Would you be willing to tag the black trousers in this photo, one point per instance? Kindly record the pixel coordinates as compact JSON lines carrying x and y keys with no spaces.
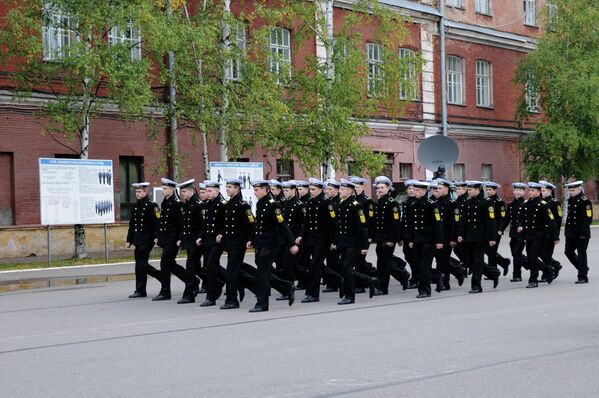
{"x":169,"y":264}
{"x":289,"y":265}
{"x":234,"y":261}
{"x":576,"y":251}
{"x":384,"y":257}
{"x":333,"y":272}
{"x":264,"y":260}
{"x":517,"y":248}
{"x":399,"y":271}
{"x":317,"y":255}
{"x":408,"y":254}
{"x":534,"y":250}
{"x":547,"y":256}
{"x":475,"y":252}
{"x":423,"y":260}
{"x":349,"y":259}
{"x":442,"y":261}
{"x":143,"y":267}
{"x":191,"y":271}
{"x":249,"y":280}
{"x":214,"y":287}
{"x":492,"y":253}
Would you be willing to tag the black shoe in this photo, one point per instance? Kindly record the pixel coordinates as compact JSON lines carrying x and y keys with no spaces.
{"x":440,"y":283}
{"x":186,"y":300}
{"x":515,"y":279}
{"x":291,"y":297}
{"x":310,"y":299}
{"x":549,"y":278}
{"x":329,"y":290}
{"x":423,"y":295}
{"x":461,"y":276}
{"x":495,"y":281}
{"x":372,"y":287}
{"x":281,"y":298}
{"x":202,"y":290}
{"x":405,"y":284}
{"x":412,"y":285}
{"x":229,"y":306}
{"x":207,"y":303}
{"x":543,"y":279}
{"x":581,"y":281}
{"x":379,"y":292}
{"x":474,"y":291}
{"x":137,"y":294}
{"x":359,"y":290}
{"x":346,"y":300}
{"x":241,"y":294}
{"x":161,"y":297}
{"x":259,"y":308}
{"x":532,"y":285}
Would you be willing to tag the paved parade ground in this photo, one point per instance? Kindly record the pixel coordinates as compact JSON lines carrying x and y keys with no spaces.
{"x":91,"y":341}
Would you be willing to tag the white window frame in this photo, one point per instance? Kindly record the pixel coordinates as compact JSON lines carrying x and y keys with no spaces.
{"x":532,"y":97}
{"x":484,"y":168}
{"x":484,"y":84}
{"x":455,"y":80}
{"x":530,"y":12}
{"x":57,"y":32}
{"x":455,"y":3}
{"x":409,"y":93}
{"x":552,"y":14}
{"x":280,"y":50}
{"x":374,"y":60}
{"x":130,"y":37}
{"x":483,"y":7}
{"x":233,"y":70}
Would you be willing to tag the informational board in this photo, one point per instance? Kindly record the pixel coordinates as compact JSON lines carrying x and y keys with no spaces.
{"x":76,"y":191}
{"x":245,"y":171}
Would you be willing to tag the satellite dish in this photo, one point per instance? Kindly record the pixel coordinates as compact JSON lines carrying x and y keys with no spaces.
{"x":437,"y":151}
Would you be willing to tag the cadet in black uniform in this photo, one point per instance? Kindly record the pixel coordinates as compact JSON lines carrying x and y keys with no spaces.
{"x":537,"y":222}
{"x":276,"y":190}
{"x":517,"y":244}
{"x":190,"y":232}
{"x":367,"y":204}
{"x":143,"y":224}
{"x":303,"y":190}
{"x":294,"y":212}
{"x":426,"y":235}
{"x":578,"y":231}
{"x":331,"y":274}
{"x":494,"y":258}
{"x":167,"y":235}
{"x":478,"y":231}
{"x":461,"y":191}
{"x":201,"y":271}
{"x":351,"y":238}
{"x":213,"y":226}
{"x":547,"y":193}
{"x":384,"y":230}
{"x":270,"y":232}
{"x":406,"y":232}
{"x":239,"y":222}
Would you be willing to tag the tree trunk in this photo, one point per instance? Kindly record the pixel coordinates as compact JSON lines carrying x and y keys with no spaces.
{"x":172,"y":96}
{"x":329,"y":171}
{"x":225,"y":47}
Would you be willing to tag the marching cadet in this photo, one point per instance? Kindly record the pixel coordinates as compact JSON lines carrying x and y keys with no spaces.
{"x":331,"y":275}
{"x":201,"y":272}
{"x":384,"y":230}
{"x":316,"y":238}
{"x":537,"y":222}
{"x":450,"y":215}
{"x":461,"y":191}
{"x":494,"y":258}
{"x":270,"y":232}
{"x":368,"y":206}
{"x":406,"y":231}
{"x":294,"y":213}
{"x":351,"y":238}
{"x":478,"y":230}
{"x":578,"y":232}
{"x":167,"y":235}
{"x":145,"y":217}
{"x":213,"y":226}
{"x":239,"y":222}
{"x":547,"y":193}
{"x":303,"y":190}
{"x":276,"y":190}
{"x":190,"y":231}
{"x":426,"y":235}
{"x":517,"y":243}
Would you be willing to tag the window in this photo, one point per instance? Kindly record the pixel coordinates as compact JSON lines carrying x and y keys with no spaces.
{"x":57,"y":32}
{"x":455,"y":78}
{"x":408,"y":91}
{"x":374,"y":58}
{"x":483,"y":7}
{"x":483,"y":84}
{"x":530,"y":12}
{"x":7,"y":194}
{"x":405,"y":171}
{"x":531,"y":96}
{"x":130,"y":172}
{"x":387,"y":170}
{"x":284,"y":169}
{"x":233,"y":71}
{"x":455,"y":3}
{"x":551,"y":15}
{"x":459,"y":172}
{"x":280,"y":51}
{"x":486,"y":172}
{"x":130,"y":37}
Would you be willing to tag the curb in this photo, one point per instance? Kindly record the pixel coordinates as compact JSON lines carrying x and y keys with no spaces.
{"x":43,"y":283}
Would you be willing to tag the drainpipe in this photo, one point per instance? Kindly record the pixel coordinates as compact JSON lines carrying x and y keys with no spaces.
{"x":443,"y":68}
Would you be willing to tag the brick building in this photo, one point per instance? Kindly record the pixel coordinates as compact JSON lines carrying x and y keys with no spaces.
{"x":484,"y":41}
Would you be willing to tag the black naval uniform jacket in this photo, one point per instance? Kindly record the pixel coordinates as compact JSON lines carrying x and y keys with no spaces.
{"x":239,"y":221}
{"x":514,"y":208}
{"x":367,"y":205}
{"x":406,"y":230}
{"x":477,"y":222}
{"x":537,"y":220}
{"x":214,"y":220}
{"x":144,"y":221}
{"x":191,"y":214}
{"x":386,"y":222}
{"x":556,"y":209}
{"x":294,"y":212}
{"x":318,"y":218}
{"x":427,"y":224}
{"x":579,"y":218}
{"x":450,"y":214}
{"x":169,"y":229}
{"x":270,"y":230}
{"x":500,"y":211}
{"x":351,"y":222}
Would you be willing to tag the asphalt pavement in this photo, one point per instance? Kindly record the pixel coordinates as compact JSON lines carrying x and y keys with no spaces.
{"x":91,"y":341}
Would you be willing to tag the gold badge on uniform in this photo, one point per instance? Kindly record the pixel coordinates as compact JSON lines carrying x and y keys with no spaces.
{"x":559,"y":210}
{"x":248,"y":212}
{"x":396,"y":213}
{"x":362,"y":216}
{"x":589,"y":211}
{"x":456,"y":213}
{"x":157,"y":212}
{"x":502,"y":211}
{"x":279,"y":215}
{"x":304,"y":211}
{"x":371,"y":210}
{"x":332,"y":211}
{"x":437,"y":215}
{"x":550,"y":214}
{"x":491,"y":212}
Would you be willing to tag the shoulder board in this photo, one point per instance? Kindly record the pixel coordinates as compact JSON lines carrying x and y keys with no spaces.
{"x":390,"y":199}
{"x":583,"y":197}
{"x":543,"y":202}
{"x":430,"y":201}
{"x":271,"y":201}
{"x":243,"y":202}
{"x":177,"y":200}
{"x":356,"y":203}
{"x":224,"y":202}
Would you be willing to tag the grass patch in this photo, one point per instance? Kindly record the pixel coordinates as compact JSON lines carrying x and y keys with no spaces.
{"x":60,"y":263}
